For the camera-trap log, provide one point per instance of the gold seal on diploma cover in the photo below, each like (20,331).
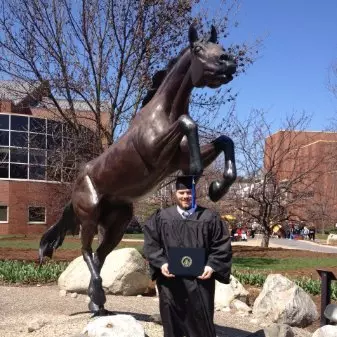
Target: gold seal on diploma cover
(186,261)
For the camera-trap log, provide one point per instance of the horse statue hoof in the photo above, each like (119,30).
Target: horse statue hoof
(102,312)
(215,191)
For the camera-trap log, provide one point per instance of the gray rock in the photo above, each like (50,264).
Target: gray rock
(278,330)
(326,331)
(240,306)
(332,239)
(330,312)
(282,301)
(226,293)
(114,326)
(124,273)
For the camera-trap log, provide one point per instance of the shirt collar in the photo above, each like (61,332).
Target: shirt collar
(189,211)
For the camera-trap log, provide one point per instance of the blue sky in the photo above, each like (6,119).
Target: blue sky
(291,73)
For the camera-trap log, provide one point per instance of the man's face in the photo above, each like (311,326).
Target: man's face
(184,198)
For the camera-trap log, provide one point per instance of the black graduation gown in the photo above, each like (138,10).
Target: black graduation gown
(187,304)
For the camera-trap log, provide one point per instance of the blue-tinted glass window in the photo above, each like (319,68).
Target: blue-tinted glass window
(4,138)
(54,127)
(19,171)
(54,141)
(37,172)
(37,125)
(4,154)
(19,155)
(19,123)
(37,141)
(4,122)
(37,157)
(19,139)
(4,170)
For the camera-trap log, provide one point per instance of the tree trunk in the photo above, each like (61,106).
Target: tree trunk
(265,239)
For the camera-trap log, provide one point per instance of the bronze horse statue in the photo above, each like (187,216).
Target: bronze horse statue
(153,147)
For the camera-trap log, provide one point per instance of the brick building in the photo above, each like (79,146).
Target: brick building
(309,158)
(36,159)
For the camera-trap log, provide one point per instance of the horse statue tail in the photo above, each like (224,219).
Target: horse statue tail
(54,236)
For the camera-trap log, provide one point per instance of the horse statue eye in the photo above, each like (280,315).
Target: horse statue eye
(197,49)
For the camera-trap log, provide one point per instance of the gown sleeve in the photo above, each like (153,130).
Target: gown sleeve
(153,246)
(220,251)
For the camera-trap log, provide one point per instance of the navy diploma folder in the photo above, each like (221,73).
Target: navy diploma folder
(186,261)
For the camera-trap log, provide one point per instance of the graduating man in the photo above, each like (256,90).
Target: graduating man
(186,303)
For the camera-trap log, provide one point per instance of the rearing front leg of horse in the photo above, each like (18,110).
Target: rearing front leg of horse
(209,152)
(219,188)
(190,129)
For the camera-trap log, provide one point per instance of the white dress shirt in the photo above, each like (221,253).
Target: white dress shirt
(186,213)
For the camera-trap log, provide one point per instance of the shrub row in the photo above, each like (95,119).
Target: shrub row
(29,272)
(21,272)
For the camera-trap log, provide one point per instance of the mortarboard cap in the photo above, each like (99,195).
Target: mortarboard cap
(184,183)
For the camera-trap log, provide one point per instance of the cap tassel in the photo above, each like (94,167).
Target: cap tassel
(193,193)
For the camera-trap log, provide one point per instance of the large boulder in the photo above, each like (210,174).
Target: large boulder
(332,239)
(226,293)
(124,273)
(114,326)
(282,301)
(326,331)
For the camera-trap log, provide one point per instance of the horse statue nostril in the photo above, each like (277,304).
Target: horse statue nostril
(225,57)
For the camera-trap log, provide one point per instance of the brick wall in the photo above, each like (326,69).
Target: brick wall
(19,195)
(310,151)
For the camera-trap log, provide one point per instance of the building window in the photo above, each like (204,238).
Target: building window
(37,172)
(3,213)
(19,139)
(4,170)
(37,125)
(19,123)
(36,214)
(4,138)
(4,122)
(41,149)
(19,155)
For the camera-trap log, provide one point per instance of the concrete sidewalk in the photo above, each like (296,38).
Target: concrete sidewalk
(290,244)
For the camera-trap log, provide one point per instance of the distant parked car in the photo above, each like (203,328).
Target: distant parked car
(134,227)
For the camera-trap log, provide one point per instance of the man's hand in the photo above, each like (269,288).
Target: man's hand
(208,271)
(165,270)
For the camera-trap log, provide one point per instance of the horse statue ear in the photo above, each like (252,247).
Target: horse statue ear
(192,35)
(214,35)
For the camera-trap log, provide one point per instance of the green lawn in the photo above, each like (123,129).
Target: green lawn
(73,243)
(269,264)
(239,263)
(134,236)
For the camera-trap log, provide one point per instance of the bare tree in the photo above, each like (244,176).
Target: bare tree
(323,211)
(279,175)
(103,53)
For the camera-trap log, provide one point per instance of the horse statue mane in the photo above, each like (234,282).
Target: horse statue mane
(152,149)
(158,78)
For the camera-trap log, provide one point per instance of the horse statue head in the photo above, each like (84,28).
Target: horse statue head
(211,66)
